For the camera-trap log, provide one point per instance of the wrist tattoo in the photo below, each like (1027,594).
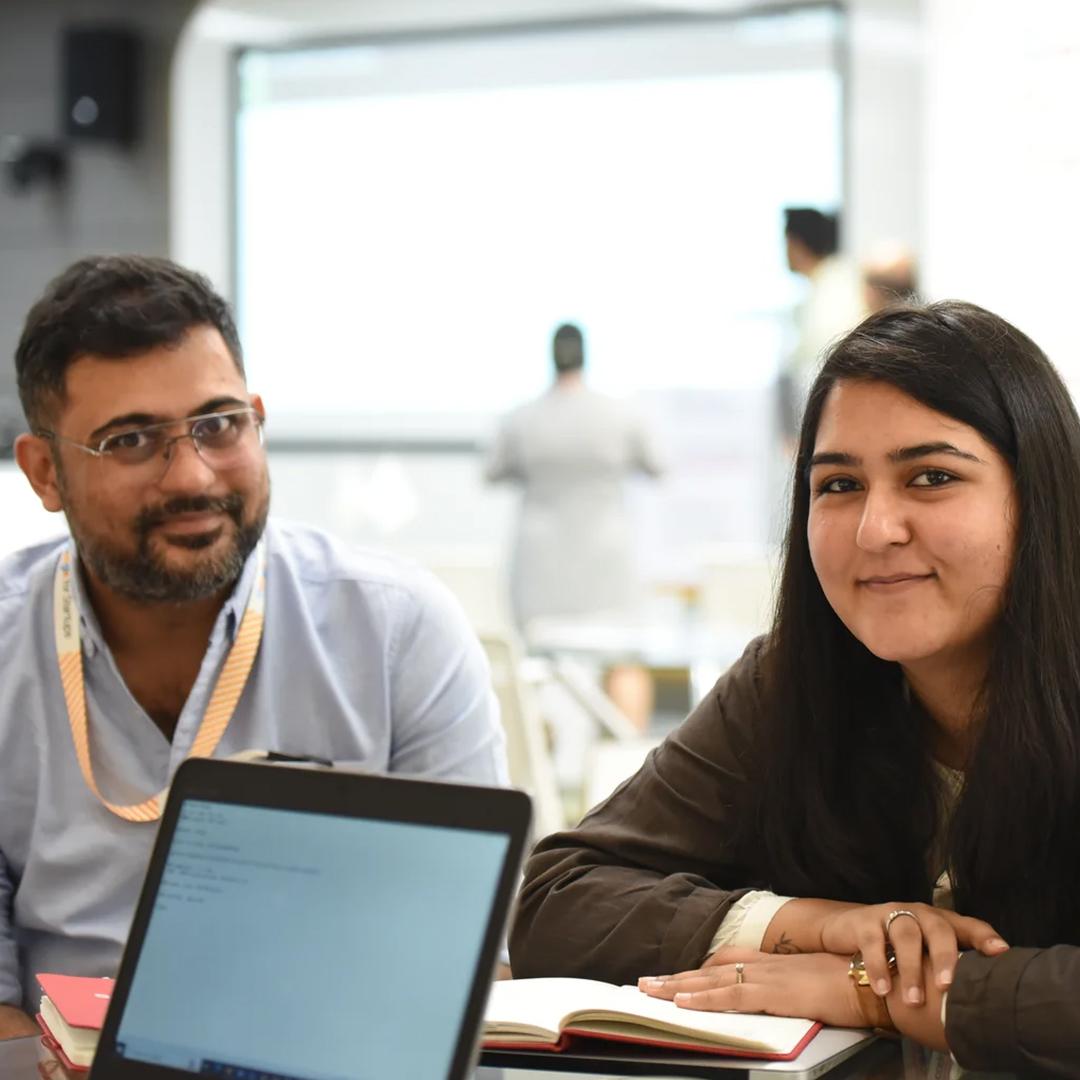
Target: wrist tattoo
(785,946)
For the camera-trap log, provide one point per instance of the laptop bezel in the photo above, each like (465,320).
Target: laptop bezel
(504,811)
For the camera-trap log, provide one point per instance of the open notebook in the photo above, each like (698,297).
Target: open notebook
(537,1014)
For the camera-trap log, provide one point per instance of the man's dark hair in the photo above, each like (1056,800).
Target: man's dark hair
(568,348)
(819,232)
(847,795)
(113,306)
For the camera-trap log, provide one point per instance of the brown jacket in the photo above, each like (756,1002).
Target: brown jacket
(641,886)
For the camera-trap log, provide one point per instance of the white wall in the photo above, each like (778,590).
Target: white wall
(200,164)
(24,520)
(202,121)
(883,197)
(885,77)
(1002,164)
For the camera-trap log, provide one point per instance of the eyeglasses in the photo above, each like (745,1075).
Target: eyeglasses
(222,439)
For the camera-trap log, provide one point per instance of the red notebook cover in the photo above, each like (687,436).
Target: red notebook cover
(572,1038)
(81,1001)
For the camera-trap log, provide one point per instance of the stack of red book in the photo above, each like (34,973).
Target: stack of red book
(72,1012)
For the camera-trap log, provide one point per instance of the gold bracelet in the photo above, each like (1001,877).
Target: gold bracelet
(875,1009)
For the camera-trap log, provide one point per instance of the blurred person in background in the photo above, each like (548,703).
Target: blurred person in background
(571,451)
(833,305)
(890,275)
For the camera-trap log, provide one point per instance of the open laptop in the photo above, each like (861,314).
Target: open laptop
(850,1053)
(314,925)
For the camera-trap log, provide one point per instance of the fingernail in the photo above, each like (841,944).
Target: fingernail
(944,977)
(683,999)
(997,943)
(650,984)
(914,996)
(882,987)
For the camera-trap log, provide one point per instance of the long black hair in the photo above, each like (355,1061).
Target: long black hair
(847,791)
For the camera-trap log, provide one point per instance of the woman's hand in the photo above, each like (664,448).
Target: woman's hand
(917,927)
(814,986)
(832,926)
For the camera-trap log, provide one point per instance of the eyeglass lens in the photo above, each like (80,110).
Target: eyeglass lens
(221,440)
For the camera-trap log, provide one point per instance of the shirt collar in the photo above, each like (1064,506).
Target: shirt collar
(235,606)
(89,627)
(228,620)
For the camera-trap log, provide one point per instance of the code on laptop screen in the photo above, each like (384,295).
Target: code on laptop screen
(299,946)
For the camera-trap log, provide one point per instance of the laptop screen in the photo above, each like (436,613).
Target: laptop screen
(286,944)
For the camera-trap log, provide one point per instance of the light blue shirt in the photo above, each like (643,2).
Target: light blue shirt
(364,658)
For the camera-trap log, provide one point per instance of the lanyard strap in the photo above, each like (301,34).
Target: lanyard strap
(230,684)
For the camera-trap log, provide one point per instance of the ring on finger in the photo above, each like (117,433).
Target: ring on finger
(740,977)
(896,915)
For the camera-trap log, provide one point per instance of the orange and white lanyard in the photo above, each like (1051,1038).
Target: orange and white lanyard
(230,684)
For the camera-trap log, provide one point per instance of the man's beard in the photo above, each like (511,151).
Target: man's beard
(144,576)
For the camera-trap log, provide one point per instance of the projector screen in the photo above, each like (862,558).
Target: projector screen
(416,216)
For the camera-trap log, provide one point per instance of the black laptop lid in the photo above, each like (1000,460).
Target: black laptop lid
(314,925)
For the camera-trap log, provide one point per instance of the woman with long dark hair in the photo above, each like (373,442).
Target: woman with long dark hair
(905,740)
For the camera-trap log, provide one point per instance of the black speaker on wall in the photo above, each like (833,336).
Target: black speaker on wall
(101,84)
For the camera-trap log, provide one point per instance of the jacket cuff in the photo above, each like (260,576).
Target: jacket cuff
(980,1025)
(686,942)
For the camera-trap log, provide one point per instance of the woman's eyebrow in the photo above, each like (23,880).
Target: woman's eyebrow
(912,453)
(897,457)
(835,459)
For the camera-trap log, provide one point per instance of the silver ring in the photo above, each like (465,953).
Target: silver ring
(896,915)
(739,976)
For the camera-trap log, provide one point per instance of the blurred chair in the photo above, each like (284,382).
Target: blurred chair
(531,767)
(738,585)
(475,577)
(738,591)
(609,764)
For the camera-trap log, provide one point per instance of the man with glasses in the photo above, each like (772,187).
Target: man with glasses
(178,620)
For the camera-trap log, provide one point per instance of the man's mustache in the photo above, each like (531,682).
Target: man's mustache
(152,516)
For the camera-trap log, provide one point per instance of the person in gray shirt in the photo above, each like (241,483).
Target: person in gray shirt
(179,619)
(571,451)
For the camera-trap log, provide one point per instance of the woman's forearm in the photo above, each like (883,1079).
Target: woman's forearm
(796,927)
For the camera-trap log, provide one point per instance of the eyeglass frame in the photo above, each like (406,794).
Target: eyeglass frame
(167,447)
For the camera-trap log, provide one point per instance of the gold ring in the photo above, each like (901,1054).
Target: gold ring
(739,976)
(896,915)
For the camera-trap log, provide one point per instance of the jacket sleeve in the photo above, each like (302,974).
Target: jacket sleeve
(1018,1012)
(641,886)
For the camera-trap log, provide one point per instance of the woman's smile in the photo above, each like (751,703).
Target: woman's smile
(891,583)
